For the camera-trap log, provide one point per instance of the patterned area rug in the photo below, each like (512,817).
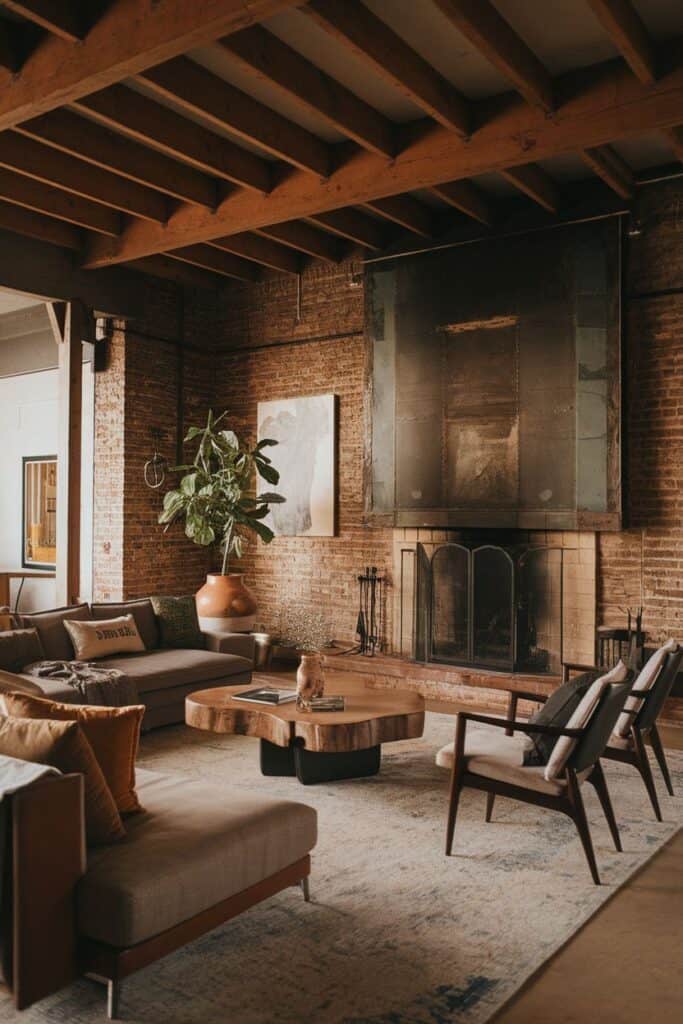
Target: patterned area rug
(396,933)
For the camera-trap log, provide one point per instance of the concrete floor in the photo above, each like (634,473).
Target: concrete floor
(626,965)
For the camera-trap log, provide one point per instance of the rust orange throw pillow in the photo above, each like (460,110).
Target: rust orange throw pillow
(64,746)
(113,734)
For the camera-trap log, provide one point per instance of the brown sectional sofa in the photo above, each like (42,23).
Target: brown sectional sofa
(163,676)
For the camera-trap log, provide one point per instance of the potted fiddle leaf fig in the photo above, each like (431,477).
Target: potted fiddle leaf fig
(216,500)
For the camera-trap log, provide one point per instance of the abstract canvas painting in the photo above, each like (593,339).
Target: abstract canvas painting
(304,457)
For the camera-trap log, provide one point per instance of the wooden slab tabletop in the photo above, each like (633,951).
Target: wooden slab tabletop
(370,717)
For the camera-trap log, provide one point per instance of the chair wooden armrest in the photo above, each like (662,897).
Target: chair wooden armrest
(526,727)
(48,857)
(575,666)
(515,696)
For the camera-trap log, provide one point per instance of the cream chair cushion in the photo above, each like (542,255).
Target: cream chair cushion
(489,752)
(645,681)
(565,745)
(194,845)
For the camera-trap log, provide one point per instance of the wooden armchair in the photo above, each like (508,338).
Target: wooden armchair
(627,742)
(493,763)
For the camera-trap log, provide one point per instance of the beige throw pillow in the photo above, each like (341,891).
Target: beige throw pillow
(97,639)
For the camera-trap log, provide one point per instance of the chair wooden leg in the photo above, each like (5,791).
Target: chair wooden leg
(661,759)
(490,800)
(512,715)
(597,778)
(643,765)
(581,822)
(456,789)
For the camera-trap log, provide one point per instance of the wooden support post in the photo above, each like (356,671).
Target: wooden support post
(69,321)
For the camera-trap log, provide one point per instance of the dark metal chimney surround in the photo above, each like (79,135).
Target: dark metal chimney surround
(490,602)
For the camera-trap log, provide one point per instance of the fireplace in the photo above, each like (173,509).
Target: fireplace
(490,603)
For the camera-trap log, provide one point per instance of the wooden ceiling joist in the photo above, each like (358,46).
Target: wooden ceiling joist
(354,226)
(131,35)
(625,27)
(467,198)
(261,250)
(405,211)
(363,33)
(184,274)
(96,145)
(197,91)
(223,263)
(55,16)
(33,225)
(301,236)
(52,167)
(598,105)
(150,123)
(267,58)
(536,184)
(492,36)
(613,170)
(34,195)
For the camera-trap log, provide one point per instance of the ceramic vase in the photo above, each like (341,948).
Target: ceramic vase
(226,604)
(310,681)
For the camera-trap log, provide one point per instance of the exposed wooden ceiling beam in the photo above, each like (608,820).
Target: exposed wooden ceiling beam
(223,263)
(613,170)
(363,33)
(33,195)
(352,225)
(52,167)
(405,211)
(10,58)
(675,139)
(598,105)
(536,184)
(33,225)
(467,198)
(148,122)
(197,91)
(304,238)
(90,142)
(267,58)
(625,28)
(261,250)
(129,36)
(174,270)
(60,18)
(490,33)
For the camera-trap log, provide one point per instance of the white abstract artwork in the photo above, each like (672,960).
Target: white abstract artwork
(305,459)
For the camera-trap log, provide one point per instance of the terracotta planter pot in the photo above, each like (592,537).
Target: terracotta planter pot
(225,603)
(310,680)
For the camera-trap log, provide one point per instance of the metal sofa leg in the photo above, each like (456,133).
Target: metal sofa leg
(113,997)
(306,889)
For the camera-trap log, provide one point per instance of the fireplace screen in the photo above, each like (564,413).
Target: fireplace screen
(492,607)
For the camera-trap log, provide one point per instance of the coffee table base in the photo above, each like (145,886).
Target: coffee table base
(310,766)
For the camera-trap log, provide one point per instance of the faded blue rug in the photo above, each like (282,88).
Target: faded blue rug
(396,933)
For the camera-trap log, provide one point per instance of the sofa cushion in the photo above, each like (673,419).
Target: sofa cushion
(95,640)
(19,647)
(53,636)
(64,746)
(156,670)
(195,845)
(113,734)
(142,612)
(178,622)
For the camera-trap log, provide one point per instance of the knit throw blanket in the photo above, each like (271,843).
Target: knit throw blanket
(104,686)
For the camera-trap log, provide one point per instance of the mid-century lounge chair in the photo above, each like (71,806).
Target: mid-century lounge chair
(492,761)
(638,720)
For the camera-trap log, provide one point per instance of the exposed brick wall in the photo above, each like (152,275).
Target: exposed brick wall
(644,563)
(110,392)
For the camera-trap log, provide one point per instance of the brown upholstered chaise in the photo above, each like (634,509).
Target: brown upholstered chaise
(198,856)
(163,676)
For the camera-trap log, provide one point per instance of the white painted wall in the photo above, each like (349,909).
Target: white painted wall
(28,426)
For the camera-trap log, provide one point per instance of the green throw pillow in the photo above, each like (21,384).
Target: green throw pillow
(178,622)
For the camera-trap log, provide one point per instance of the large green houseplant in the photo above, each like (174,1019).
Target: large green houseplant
(216,499)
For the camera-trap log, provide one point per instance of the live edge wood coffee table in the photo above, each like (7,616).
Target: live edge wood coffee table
(319,747)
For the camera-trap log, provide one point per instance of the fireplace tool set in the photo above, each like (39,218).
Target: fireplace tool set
(369,627)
